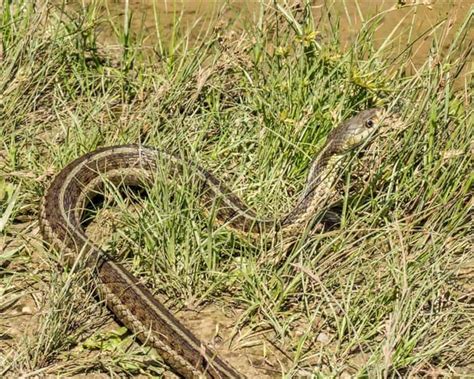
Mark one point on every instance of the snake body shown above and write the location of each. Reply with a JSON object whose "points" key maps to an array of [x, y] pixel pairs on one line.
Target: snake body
{"points": [[65, 200]]}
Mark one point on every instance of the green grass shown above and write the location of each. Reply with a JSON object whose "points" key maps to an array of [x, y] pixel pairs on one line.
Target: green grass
{"points": [[388, 294]]}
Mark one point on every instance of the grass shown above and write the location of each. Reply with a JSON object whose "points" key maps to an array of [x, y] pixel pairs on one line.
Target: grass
{"points": [[388, 294]]}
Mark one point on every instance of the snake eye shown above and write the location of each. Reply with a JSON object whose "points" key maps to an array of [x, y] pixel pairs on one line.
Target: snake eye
{"points": [[369, 123]]}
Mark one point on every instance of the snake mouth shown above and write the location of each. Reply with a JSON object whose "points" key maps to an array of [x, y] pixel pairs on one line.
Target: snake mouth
{"points": [[355, 131]]}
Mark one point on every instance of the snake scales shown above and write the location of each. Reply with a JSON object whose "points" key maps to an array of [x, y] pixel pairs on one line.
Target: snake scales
{"points": [[63, 207]]}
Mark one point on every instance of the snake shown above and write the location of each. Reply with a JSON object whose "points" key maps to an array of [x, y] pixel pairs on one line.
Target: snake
{"points": [[69, 193]]}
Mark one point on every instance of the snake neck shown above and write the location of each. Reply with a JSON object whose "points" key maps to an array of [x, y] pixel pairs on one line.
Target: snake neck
{"points": [[316, 194]]}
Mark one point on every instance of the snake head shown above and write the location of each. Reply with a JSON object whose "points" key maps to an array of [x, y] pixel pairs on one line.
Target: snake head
{"points": [[355, 130]]}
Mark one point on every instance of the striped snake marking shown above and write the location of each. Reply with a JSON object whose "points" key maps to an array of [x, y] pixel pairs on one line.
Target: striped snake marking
{"points": [[69, 193]]}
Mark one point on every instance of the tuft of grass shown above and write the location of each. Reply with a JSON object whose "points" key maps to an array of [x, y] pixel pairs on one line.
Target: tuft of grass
{"points": [[389, 293]]}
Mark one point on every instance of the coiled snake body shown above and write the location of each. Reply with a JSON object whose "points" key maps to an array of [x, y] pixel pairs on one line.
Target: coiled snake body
{"points": [[62, 211]]}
